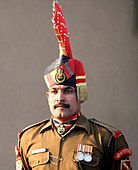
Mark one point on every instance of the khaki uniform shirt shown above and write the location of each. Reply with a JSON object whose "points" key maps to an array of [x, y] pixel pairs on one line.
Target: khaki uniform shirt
{"points": [[42, 148]]}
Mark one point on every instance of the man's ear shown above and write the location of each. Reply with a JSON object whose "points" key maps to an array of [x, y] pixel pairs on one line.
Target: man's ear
{"points": [[47, 94]]}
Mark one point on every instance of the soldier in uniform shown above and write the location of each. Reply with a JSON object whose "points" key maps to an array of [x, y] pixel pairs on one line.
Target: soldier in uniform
{"points": [[69, 140]]}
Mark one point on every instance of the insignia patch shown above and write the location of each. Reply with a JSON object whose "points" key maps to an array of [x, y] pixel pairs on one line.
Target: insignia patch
{"points": [[60, 76], [125, 165], [122, 152]]}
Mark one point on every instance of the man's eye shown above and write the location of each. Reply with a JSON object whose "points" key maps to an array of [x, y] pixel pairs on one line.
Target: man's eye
{"points": [[53, 91], [68, 91]]}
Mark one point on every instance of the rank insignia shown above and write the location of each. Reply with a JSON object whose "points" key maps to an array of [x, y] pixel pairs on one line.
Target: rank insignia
{"points": [[125, 165], [60, 76]]}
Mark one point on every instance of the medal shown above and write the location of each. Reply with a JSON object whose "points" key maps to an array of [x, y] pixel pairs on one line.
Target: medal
{"points": [[61, 130], [80, 154], [88, 153], [87, 157], [84, 152]]}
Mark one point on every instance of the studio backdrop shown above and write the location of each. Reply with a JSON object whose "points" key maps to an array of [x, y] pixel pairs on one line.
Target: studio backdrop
{"points": [[103, 35]]}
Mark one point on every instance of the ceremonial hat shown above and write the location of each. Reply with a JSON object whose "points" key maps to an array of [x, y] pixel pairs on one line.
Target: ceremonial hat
{"points": [[65, 70]]}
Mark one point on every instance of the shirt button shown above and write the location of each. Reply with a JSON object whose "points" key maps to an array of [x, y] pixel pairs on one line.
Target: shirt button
{"points": [[63, 139], [61, 159], [37, 161]]}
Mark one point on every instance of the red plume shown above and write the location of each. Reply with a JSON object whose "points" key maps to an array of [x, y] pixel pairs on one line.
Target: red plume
{"points": [[61, 31]]}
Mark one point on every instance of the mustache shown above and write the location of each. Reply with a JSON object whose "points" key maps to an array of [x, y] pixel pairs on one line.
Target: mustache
{"points": [[61, 105]]}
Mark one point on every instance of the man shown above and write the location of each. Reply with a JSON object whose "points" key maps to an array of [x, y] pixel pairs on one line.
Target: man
{"points": [[68, 140]]}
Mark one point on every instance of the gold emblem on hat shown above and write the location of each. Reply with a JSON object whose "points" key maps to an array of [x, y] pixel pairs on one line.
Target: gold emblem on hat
{"points": [[60, 76]]}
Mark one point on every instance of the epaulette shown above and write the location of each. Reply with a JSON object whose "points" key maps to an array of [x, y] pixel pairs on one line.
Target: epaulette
{"points": [[20, 133], [116, 133]]}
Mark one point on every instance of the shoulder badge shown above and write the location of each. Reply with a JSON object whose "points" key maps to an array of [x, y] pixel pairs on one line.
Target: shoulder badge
{"points": [[124, 151]]}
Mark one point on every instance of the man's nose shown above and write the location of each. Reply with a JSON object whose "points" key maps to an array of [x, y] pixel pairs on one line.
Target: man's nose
{"points": [[60, 96]]}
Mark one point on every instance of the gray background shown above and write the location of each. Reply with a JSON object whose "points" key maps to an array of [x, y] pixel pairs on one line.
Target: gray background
{"points": [[104, 35]]}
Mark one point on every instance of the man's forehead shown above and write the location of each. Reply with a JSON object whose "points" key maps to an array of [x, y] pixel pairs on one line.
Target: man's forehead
{"points": [[61, 87]]}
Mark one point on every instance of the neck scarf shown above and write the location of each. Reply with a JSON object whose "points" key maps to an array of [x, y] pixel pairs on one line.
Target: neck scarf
{"points": [[64, 125]]}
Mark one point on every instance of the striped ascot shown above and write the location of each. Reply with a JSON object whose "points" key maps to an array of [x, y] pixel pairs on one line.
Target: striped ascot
{"points": [[64, 125]]}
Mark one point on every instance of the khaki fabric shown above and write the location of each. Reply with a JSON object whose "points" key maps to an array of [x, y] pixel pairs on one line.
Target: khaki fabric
{"points": [[42, 148]]}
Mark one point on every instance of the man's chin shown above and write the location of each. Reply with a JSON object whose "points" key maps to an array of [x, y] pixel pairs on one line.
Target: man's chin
{"points": [[61, 115]]}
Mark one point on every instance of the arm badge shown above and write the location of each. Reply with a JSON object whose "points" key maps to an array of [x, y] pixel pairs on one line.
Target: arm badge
{"points": [[125, 165]]}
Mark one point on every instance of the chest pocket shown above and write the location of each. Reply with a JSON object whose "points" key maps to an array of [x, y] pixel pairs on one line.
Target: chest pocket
{"points": [[95, 163], [39, 159]]}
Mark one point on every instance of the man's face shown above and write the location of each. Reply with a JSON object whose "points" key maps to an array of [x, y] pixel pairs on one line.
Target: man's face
{"points": [[62, 101]]}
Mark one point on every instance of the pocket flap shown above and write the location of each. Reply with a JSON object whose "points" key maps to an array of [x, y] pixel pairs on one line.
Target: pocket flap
{"points": [[38, 159]]}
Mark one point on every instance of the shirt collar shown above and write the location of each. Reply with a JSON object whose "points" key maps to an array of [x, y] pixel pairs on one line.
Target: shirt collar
{"points": [[83, 122], [47, 125]]}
